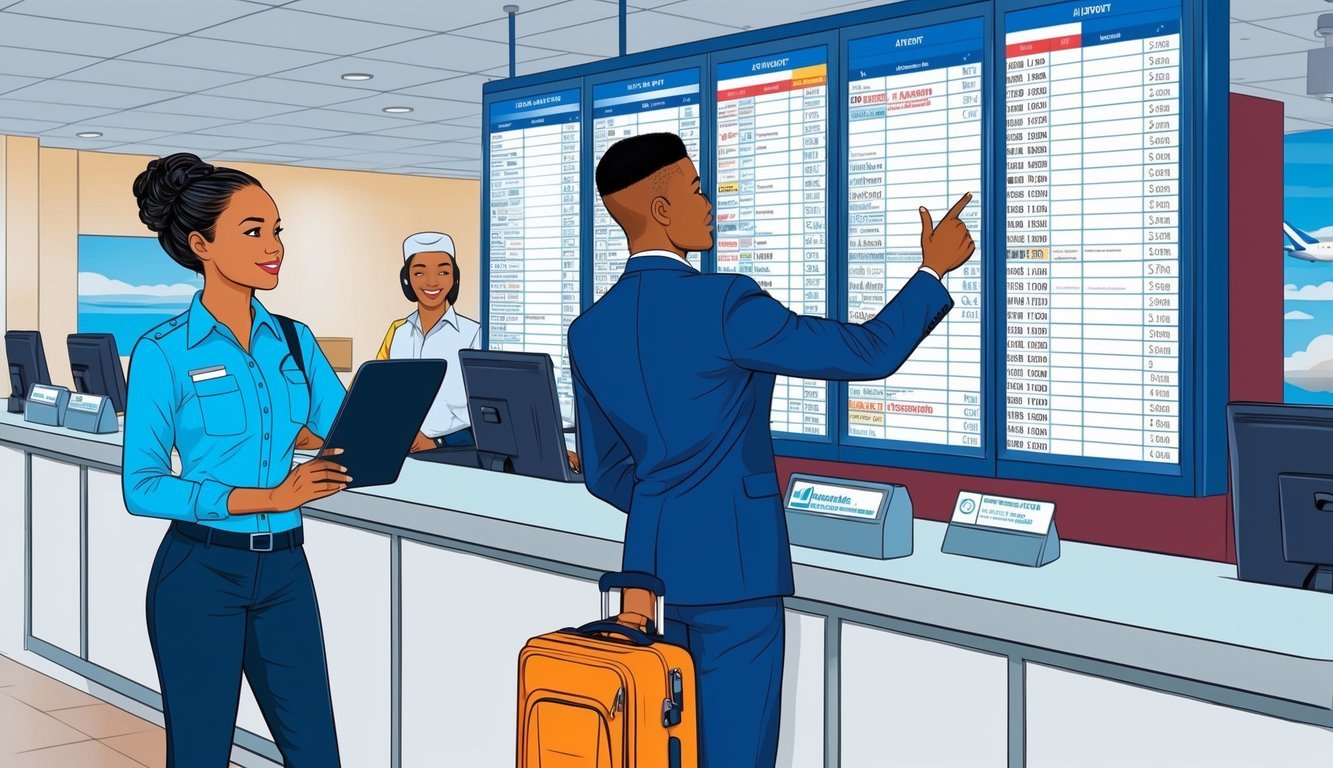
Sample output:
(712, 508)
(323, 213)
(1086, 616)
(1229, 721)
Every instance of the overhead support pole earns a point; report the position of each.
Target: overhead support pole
(624, 27)
(512, 10)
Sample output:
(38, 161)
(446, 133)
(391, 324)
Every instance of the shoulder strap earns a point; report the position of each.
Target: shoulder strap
(294, 346)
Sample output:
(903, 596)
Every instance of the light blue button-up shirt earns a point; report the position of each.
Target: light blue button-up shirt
(233, 417)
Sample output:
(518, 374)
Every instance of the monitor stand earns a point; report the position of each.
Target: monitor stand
(496, 462)
(1323, 579)
(14, 405)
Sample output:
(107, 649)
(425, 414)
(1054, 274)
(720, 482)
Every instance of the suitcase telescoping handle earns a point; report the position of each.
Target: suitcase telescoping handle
(634, 580)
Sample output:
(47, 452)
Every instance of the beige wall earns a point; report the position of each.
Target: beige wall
(343, 233)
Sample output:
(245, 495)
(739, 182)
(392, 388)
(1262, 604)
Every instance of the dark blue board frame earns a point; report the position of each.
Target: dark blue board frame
(1204, 280)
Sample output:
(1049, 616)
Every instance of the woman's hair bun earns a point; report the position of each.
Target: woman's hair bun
(159, 187)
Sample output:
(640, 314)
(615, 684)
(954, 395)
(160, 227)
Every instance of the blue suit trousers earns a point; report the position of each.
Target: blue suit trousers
(215, 612)
(738, 652)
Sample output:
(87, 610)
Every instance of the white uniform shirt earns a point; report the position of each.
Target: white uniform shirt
(453, 332)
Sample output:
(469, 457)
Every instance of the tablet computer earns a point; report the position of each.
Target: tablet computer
(380, 417)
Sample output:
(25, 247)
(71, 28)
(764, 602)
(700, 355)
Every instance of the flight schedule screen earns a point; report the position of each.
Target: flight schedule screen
(669, 103)
(772, 200)
(534, 228)
(914, 119)
(1092, 214)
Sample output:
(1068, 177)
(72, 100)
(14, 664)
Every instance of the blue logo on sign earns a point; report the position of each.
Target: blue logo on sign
(967, 507)
(801, 499)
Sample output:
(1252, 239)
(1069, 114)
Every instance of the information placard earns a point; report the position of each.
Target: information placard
(772, 199)
(1093, 201)
(914, 111)
(534, 228)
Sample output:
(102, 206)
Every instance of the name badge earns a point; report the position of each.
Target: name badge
(204, 374)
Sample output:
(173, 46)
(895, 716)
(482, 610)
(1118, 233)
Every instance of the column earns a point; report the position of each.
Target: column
(965, 282)
(1066, 208)
(1113, 240)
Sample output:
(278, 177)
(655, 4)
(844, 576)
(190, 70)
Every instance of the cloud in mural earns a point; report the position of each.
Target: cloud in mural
(1311, 369)
(94, 285)
(1322, 232)
(1303, 190)
(1321, 292)
(1297, 315)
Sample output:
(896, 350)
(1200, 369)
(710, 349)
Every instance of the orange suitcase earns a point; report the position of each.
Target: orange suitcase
(586, 700)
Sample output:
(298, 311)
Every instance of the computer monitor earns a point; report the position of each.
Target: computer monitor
(94, 362)
(1282, 493)
(511, 399)
(27, 366)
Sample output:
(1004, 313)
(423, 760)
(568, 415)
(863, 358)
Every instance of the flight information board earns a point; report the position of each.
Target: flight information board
(914, 119)
(1092, 284)
(772, 200)
(534, 228)
(667, 102)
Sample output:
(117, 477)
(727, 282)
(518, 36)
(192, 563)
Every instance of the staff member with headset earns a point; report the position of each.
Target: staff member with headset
(233, 389)
(430, 278)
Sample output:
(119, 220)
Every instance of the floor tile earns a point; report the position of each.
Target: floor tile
(46, 693)
(85, 754)
(101, 720)
(23, 728)
(148, 747)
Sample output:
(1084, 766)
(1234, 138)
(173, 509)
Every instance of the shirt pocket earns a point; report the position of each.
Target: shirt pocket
(221, 406)
(298, 393)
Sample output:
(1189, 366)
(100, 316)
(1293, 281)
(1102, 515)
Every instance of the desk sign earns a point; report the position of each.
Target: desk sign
(999, 528)
(90, 413)
(849, 516)
(46, 405)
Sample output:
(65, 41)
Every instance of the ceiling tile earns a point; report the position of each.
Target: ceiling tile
(410, 170)
(219, 106)
(1294, 86)
(597, 38)
(36, 110)
(151, 149)
(270, 132)
(650, 30)
(1300, 27)
(449, 150)
(114, 135)
(72, 37)
(453, 50)
(383, 159)
(555, 62)
(279, 91)
(423, 109)
(1293, 125)
(346, 122)
(246, 156)
(196, 142)
(29, 63)
(161, 76)
(1276, 67)
(225, 56)
(11, 83)
(436, 17)
(463, 88)
(432, 132)
(158, 15)
(737, 14)
(310, 32)
(459, 164)
(74, 142)
(153, 120)
(389, 75)
(1248, 41)
(565, 15)
(292, 149)
(367, 143)
(15, 125)
(334, 165)
(1249, 10)
(90, 94)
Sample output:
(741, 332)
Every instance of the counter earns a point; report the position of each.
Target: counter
(429, 587)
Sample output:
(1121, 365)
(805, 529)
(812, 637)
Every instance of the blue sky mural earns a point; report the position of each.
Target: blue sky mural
(1308, 306)
(127, 285)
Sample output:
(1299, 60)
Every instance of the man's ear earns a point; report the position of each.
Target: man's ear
(199, 246)
(660, 209)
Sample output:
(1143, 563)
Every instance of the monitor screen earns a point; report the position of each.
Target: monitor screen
(515, 412)
(27, 361)
(94, 363)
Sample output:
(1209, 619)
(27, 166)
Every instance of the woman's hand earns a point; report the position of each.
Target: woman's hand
(311, 480)
(422, 443)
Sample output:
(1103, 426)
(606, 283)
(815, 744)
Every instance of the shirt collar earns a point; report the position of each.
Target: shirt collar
(667, 254)
(200, 322)
(450, 317)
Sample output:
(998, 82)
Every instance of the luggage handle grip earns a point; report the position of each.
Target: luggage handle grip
(612, 628)
(635, 580)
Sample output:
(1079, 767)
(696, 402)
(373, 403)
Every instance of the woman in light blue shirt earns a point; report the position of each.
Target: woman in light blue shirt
(233, 393)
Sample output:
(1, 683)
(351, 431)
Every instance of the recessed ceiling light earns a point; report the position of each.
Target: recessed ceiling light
(88, 134)
(397, 110)
(358, 76)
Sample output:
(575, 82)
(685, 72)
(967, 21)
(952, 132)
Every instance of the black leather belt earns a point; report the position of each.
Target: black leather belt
(253, 542)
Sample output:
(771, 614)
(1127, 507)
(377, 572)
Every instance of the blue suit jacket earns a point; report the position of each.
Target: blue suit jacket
(673, 381)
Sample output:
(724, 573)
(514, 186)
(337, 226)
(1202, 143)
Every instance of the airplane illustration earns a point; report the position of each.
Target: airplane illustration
(1301, 245)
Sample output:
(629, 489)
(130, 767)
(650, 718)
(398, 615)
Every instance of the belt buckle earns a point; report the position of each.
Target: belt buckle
(256, 548)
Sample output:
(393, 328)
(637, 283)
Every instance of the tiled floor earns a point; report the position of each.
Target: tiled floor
(47, 724)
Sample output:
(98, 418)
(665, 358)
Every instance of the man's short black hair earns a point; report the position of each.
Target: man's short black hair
(630, 161)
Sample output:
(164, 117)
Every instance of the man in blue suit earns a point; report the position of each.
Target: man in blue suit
(673, 377)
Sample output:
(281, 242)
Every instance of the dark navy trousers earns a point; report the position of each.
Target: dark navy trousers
(737, 650)
(215, 612)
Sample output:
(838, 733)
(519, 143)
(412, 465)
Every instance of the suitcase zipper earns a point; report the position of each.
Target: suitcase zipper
(619, 704)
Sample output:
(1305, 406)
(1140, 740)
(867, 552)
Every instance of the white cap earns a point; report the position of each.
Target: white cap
(424, 242)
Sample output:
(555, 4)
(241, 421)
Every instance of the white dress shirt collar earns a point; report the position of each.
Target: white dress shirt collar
(666, 254)
(449, 317)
